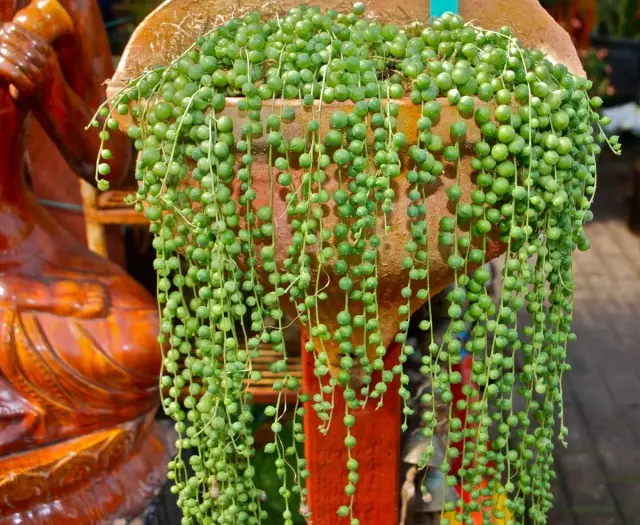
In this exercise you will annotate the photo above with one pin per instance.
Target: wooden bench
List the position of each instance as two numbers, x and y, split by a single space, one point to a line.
262 392
106 208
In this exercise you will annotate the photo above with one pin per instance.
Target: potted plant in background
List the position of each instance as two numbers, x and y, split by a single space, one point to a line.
580 18
617 36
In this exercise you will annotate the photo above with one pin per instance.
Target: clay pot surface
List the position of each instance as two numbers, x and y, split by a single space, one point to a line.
170 29
174 25
390 274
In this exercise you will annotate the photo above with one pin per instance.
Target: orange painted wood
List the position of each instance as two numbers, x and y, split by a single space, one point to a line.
377 450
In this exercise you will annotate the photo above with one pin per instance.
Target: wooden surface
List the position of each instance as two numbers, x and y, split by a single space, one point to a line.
45 18
104 209
85 61
79 359
262 392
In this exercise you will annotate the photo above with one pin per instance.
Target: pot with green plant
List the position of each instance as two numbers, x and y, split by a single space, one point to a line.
617 39
343 167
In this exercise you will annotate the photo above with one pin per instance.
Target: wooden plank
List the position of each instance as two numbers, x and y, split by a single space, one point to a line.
119 216
115 199
262 391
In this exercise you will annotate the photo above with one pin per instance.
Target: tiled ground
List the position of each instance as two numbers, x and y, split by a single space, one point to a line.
599 473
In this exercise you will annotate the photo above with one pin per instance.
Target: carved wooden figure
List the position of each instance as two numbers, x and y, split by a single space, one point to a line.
79 359
85 74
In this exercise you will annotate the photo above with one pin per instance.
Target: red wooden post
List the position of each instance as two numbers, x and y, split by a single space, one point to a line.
377 451
465 368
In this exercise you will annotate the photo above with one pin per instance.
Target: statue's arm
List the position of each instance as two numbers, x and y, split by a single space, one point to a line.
62 85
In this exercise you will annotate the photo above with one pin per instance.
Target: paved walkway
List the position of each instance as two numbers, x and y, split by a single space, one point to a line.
599 473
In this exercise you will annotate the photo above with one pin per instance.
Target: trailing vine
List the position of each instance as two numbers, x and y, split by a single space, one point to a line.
323 97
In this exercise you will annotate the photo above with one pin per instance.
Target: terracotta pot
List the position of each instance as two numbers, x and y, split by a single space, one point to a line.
170 29
174 25
391 277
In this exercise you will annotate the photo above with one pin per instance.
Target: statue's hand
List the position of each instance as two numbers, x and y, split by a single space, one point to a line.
86 300
29 64
61 297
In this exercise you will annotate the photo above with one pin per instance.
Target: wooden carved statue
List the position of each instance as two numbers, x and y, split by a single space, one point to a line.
61 195
79 358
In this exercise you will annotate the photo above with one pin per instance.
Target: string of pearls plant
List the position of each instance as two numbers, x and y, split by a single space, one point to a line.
219 280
